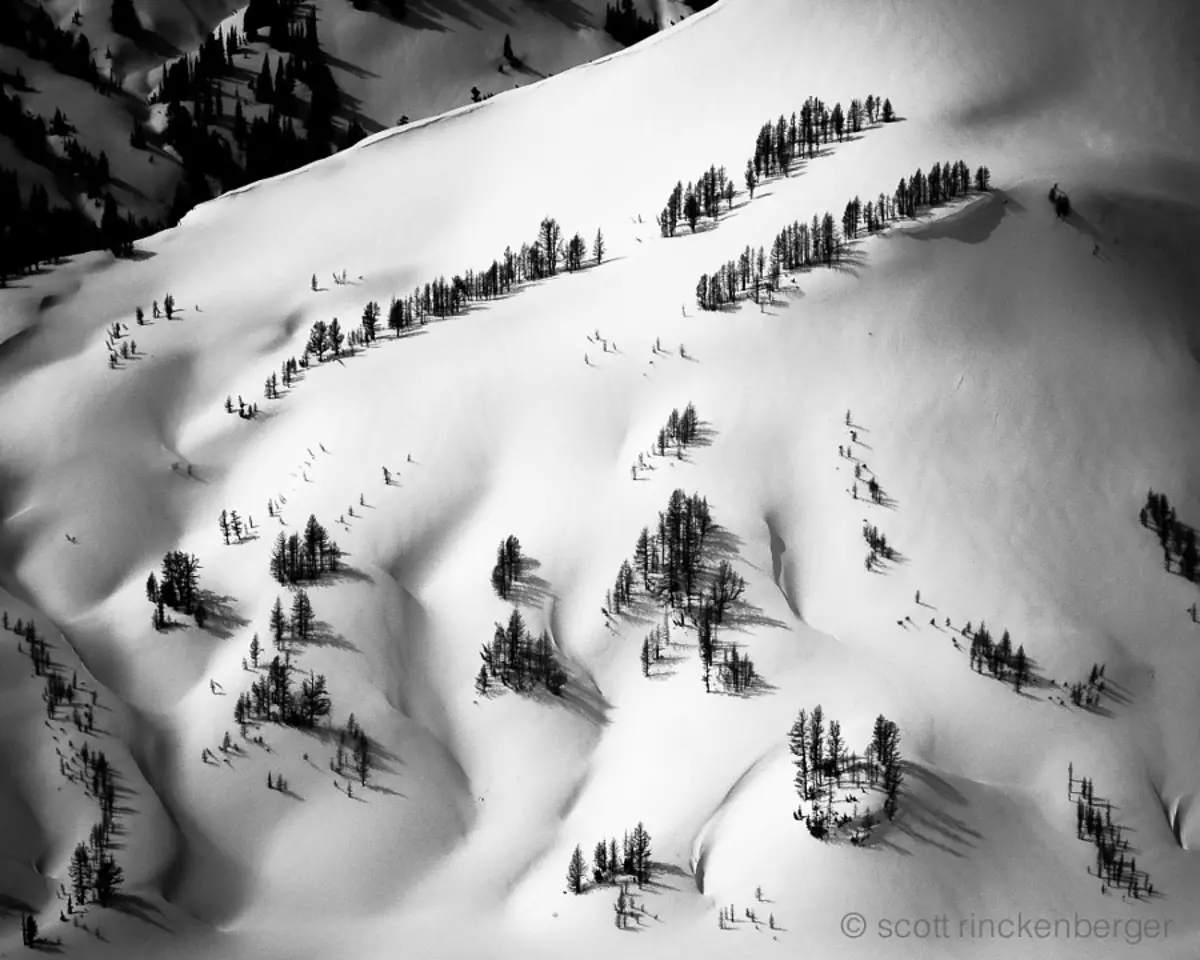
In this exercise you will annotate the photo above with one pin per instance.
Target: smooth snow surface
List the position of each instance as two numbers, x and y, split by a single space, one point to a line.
1017 395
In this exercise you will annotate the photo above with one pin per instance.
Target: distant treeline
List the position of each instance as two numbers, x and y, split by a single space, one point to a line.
777 145
801 245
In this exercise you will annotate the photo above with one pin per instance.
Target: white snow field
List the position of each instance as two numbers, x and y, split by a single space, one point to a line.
1019 382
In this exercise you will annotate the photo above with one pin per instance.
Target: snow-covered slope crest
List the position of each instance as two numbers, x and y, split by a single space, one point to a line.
1018 382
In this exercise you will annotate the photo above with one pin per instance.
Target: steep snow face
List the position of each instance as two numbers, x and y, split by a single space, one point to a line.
1017 382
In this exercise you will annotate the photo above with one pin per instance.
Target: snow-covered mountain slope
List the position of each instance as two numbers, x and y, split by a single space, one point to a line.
385 69
1018 383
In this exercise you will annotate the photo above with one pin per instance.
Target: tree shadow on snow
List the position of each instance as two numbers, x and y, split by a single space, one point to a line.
140 908
322 635
222 621
530 590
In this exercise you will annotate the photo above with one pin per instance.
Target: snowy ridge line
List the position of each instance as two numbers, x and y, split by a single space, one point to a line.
457 113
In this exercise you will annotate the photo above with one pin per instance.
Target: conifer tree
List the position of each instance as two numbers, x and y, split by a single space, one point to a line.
576 871
362 757
80 871
640 853
314 699
302 616
264 89
29 930
600 862
109 876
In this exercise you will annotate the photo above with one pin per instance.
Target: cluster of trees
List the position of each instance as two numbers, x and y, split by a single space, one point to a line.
674 567
189 77
322 337
671 561
273 698
247 411
57 689
267 145
128 347
443 298
1177 539
621 595
943 183
726 918
1093 822
813 126
736 671
29 132
231 523
998 657
32 230
30 28
177 588
609 865
774 149
880 549
295 558
39 654
874 490
652 644
680 430
803 245
508 568
93 869
94 872
702 198
1088 694
623 23
518 661
354 749
822 764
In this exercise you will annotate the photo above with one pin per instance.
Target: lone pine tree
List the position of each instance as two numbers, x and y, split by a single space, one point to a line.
576 871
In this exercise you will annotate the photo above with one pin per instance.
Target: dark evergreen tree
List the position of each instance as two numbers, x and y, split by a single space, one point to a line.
640 853
362 757
314 699
109 877
576 871
79 869
264 88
